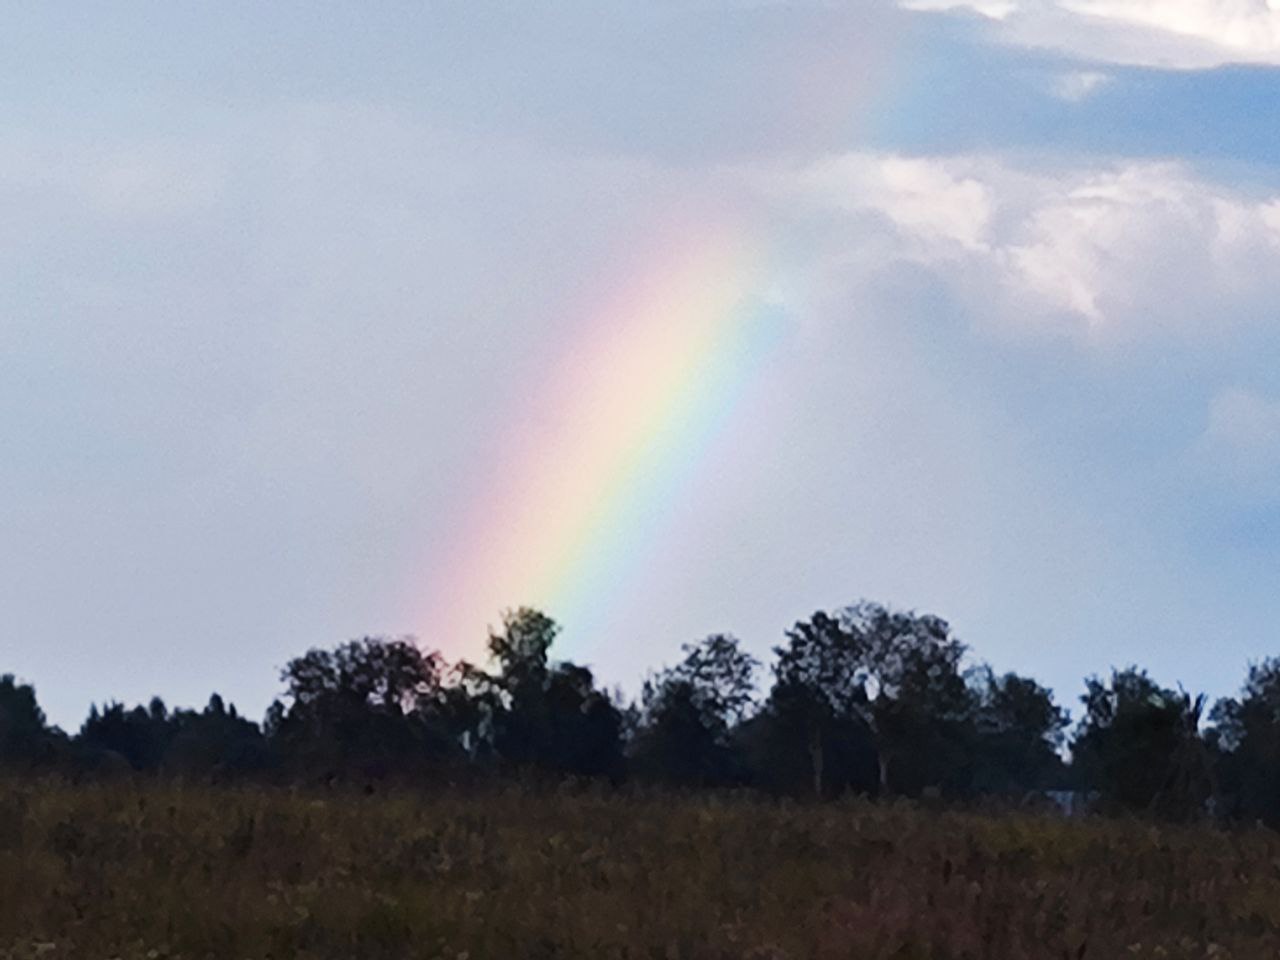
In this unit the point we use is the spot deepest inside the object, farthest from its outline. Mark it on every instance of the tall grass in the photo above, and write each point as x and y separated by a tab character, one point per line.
155	870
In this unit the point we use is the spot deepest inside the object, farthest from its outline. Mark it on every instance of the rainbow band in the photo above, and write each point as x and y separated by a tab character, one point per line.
583	482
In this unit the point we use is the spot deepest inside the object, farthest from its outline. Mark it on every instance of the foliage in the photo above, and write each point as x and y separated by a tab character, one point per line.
774	746
818	685
1019	733
139	736
721	676
216	742
1248	730
371	707
521	649
1140	745
538	716
24	735
865	699
897	675
688	712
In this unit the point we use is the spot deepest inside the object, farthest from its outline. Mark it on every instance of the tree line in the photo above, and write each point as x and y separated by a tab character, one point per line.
864	699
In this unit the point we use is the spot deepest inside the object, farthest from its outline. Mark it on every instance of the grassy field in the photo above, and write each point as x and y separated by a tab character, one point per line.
164	871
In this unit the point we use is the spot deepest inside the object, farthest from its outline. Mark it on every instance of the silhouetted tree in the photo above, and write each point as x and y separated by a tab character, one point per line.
141	735
215	742
540	715
370	706
818	686
776	744
521	723
522	648
722	676
1247	730
688	712
469	706
25	737
918	705
585	726
1140	746
896	673
864	699
1018	734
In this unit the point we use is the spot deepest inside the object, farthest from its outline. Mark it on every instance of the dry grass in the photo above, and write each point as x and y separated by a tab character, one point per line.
161	871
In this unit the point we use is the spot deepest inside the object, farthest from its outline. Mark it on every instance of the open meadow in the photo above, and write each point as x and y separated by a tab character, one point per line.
154	870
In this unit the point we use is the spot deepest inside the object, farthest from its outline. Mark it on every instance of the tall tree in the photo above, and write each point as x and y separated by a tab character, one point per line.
522	648
215	742
817	681
775	743
917	703
688	712
140	735
540	715
1247	729
369	706
896	673
374	673
24	734
1019	734
584	737
521	653
1140	746
722	676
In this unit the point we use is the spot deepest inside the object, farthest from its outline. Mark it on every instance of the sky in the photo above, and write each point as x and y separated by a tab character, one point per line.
320	321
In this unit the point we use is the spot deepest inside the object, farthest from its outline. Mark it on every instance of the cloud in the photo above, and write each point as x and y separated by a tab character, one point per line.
995	9
932	202
1171	33
1105	253
1078	86
1250	27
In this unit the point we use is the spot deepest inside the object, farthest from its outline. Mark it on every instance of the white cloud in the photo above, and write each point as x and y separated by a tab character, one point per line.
1078	86
1109	253
1175	33
941	208
1251	27
995	9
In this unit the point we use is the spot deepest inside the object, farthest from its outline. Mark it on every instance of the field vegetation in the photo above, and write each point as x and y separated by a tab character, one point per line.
142	869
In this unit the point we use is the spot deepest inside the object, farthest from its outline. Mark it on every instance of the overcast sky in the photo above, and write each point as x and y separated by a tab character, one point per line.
275	280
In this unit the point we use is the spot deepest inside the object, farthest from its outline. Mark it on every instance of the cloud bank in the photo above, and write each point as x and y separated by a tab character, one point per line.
1104	253
1169	33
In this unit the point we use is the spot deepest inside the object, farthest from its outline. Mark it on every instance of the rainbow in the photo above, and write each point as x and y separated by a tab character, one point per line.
599	450
576	498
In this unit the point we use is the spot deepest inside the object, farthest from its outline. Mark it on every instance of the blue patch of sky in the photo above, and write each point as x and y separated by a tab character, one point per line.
959	92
